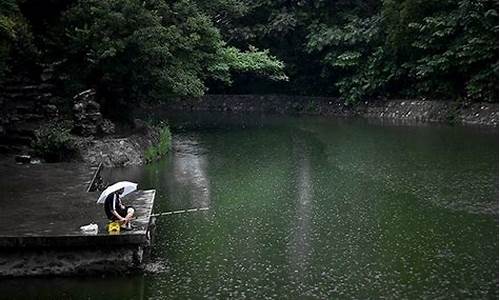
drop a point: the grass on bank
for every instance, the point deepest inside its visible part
(159, 150)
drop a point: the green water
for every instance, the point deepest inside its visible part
(312, 208)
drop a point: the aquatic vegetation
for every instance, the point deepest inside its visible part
(159, 150)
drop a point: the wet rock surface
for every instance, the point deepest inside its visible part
(113, 152)
(485, 114)
(118, 152)
(24, 109)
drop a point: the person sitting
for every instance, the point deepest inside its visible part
(116, 211)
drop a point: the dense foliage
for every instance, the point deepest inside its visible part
(133, 49)
(155, 48)
(17, 50)
(359, 50)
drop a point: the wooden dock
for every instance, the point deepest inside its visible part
(43, 209)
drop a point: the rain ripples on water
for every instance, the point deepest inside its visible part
(315, 208)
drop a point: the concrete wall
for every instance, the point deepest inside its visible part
(67, 261)
(415, 110)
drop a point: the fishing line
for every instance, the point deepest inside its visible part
(174, 212)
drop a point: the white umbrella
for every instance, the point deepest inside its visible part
(127, 186)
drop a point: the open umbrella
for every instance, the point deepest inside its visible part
(127, 186)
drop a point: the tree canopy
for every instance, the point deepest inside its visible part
(361, 50)
(357, 50)
(134, 49)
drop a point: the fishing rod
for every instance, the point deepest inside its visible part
(174, 212)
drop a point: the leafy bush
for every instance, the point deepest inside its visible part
(311, 107)
(159, 150)
(54, 143)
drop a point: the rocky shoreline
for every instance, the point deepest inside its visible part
(117, 151)
(78, 125)
(110, 151)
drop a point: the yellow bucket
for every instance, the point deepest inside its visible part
(113, 228)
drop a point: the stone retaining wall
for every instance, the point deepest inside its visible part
(67, 261)
(485, 114)
(415, 110)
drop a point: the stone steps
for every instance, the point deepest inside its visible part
(26, 104)
(5, 149)
(19, 87)
(14, 139)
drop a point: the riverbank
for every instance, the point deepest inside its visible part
(49, 128)
(118, 151)
(483, 114)
(112, 151)
(93, 139)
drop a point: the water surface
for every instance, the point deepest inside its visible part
(313, 208)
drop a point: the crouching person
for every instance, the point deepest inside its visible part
(116, 211)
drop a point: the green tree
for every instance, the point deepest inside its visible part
(135, 50)
(152, 49)
(456, 50)
(17, 51)
(411, 48)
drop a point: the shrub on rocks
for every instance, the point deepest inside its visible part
(54, 143)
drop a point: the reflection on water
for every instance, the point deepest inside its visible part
(316, 208)
(189, 172)
(299, 255)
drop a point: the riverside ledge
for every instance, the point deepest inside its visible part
(45, 205)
